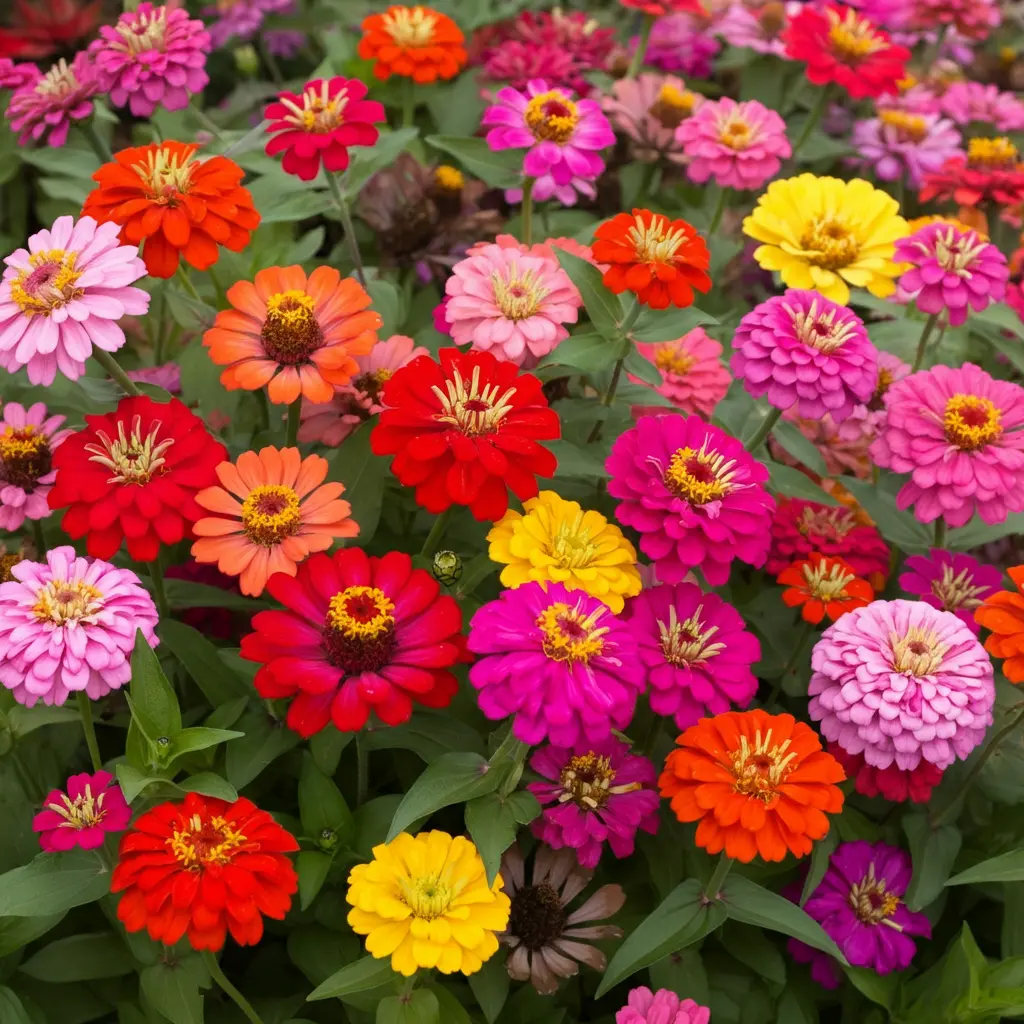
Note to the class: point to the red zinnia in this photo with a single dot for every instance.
(840, 45)
(204, 867)
(134, 473)
(463, 429)
(893, 783)
(991, 172)
(360, 634)
(822, 586)
(659, 8)
(321, 124)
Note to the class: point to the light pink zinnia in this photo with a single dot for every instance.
(693, 377)
(662, 1007)
(166, 376)
(45, 108)
(28, 438)
(647, 110)
(68, 625)
(504, 300)
(739, 145)
(758, 28)
(82, 814)
(152, 57)
(64, 294)
(965, 102)
(956, 431)
(898, 145)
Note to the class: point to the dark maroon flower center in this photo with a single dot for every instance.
(537, 917)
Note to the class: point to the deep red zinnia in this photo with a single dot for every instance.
(134, 473)
(204, 867)
(658, 8)
(895, 784)
(359, 634)
(464, 430)
(990, 172)
(840, 45)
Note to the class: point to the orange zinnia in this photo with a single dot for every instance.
(1003, 613)
(824, 586)
(759, 784)
(413, 42)
(173, 205)
(273, 511)
(294, 334)
(661, 260)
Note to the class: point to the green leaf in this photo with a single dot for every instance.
(451, 1010)
(493, 823)
(368, 160)
(321, 805)
(12, 1010)
(361, 976)
(978, 532)
(22, 720)
(172, 988)
(364, 475)
(186, 594)
(264, 741)
(190, 740)
(312, 867)
(428, 735)
(16, 932)
(900, 528)
(671, 324)
(326, 747)
(642, 368)
(52, 884)
(789, 437)
(209, 784)
(603, 306)
(490, 987)
(791, 483)
(202, 662)
(587, 352)
(933, 852)
(751, 947)
(451, 779)
(879, 988)
(1009, 867)
(133, 781)
(576, 462)
(820, 855)
(154, 703)
(418, 1007)
(387, 304)
(80, 958)
(503, 169)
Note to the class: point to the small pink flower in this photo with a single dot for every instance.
(974, 19)
(661, 1007)
(680, 42)
(757, 28)
(516, 63)
(82, 814)
(693, 377)
(647, 110)
(898, 145)
(167, 376)
(965, 102)
(45, 108)
(16, 76)
(28, 438)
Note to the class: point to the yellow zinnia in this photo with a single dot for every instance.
(424, 901)
(826, 234)
(557, 540)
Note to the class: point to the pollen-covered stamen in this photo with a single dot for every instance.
(166, 176)
(872, 902)
(587, 781)
(410, 26)
(823, 330)
(24, 456)
(954, 252)
(656, 242)
(320, 112)
(205, 842)
(910, 127)
(473, 408)
(686, 642)
(992, 154)
(570, 635)
(829, 243)
(673, 106)
(372, 383)
(271, 513)
(8, 560)
(833, 523)
(552, 116)
(519, 294)
(700, 476)
(359, 632)
(84, 811)
(449, 179)
(853, 37)
(67, 601)
(735, 132)
(59, 81)
(572, 543)
(957, 590)
(885, 381)
(429, 896)
(671, 358)
(131, 458)
(827, 579)
(291, 332)
(760, 769)
(50, 284)
(145, 31)
(971, 422)
(918, 653)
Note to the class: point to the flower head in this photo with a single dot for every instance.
(424, 901)
(413, 42)
(202, 868)
(28, 439)
(898, 145)
(955, 583)
(991, 172)
(693, 493)
(648, 109)
(63, 295)
(659, 8)
(44, 108)
(693, 377)
(826, 234)
(662, 1007)
(81, 814)
(967, 102)
(680, 41)
(68, 625)
(1003, 614)
(973, 19)
(758, 28)
(15, 76)
(134, 474)
(823, 585)
(895, 784)
(758, 784)
(240, 19)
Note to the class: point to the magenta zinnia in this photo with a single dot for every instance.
(693, 377)
(28, 438)
(955, 583)
(43, 110)
(82, 813)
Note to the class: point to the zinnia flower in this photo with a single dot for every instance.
(758, 784)
(202, 868)
(893, 783)
(956, 432)
(694, 494)
(424, 901)
(68, 625)
(1003, 613)
(739, 145)
(320, 125)
(272, 510)
(662, 1007)
(359, 634)
(637, 107)
(15, 76)
(464, 431)
(967, 102)
(556, 540)
(991, 172)
(823, 585)
(974, 19)
(81, 814)
(661, 261)
(696, 651)
(240, 19)
(900, 681)
(826, 234)
(680, 41)
(173, 205)
(134, 474)
(597, 793)
(898, 146)
(151, 57)
(955, 583)
(412, 42)
(659, 8)
(64, 294)
(45, 108)
(693, 378)
(558, 661)
(758, 28)
(28, 439)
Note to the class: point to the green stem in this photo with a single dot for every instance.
(640, 52)
(110, 364)
(291, 438)
(362, 770)
(762, 432)
(160, 302)
(653, 734)
(228, 989)
(36, 526)
(97, 143)
(433, 541)
(269, 59)
(159, 591)
(85, 711)
(929, 326)
(798, 651)
(716, 217)
(940, 533)
(812, 118)
(408, 103)
(516, 772)
(722, 869)
(627, 324)
(204, 118)
(527, 211)
(347, 227)
(187, 283)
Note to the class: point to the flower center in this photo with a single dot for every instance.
(872, 902)
(919, 653)
(971, 422)
(991, 154)
(956, 253)
(372, 384)
(827, 580)
(673, 106)
(24, 456)
(59, 81)
(852, 36)
(587, 781)
(143, 31)
(291, 332)
(410, 26)
(271, 513)
(202, 843)
(473, 409)
(824, 331)
(552, 116)
(656, 242)
(673, 359)
(772, 19)
(50, 283)
(910, 127)
(536, 917)
(7, 563)
(760, 769)
(572, 545)
(320, 113)
(885, 381)
(520, 294)
(84, 811)
(686, 643)
(735, 133)
(830, 523)
(359, 634)
(131, 458)
(700, 476)
(450, 179)
(957, 590)
(829, 243)
(571, 636)
(62, 601)
(427, 897)
(165, 176)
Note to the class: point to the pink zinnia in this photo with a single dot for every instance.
(45, 108)
(16, 76)
(758, 29)
(956, 583)
(82, 814)
(28, 438)
(597, 793)
(647, 110)
(738, 145)
(694, 494)
(974, 19)
(956, 431)
(693, 377)
(64, 294)
(562, 664)
(503, 300)
(805, 351)
(562, 136)
(68, 625)
(516, 63)
(902, 682)
(662, 1007)
(166, 376)
(241, 19)
(898, 145)
(152, 57)
(965, 102)
(680, 42)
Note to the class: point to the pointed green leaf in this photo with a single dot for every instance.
(312, 867)
(670, 324)
(933, 852)
(188, 741)
(202, 662)
(80, 958)
(154, 703)
(490, 987)
(502, 169)
(361, 976)
(588, 351)
(321, 805)
(209, 784)
(1009, 867)
(789, 437)
(603, 306)
(493, 823)
(173, 989)
(52, 884)
(418, 1007)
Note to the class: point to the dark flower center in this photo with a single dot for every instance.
(291, 333)
(359, 633)
(537, 917)
(24, 457)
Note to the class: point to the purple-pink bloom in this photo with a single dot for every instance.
(648, 109)
(152, 57)
(45, 108)
(965, 102)
(680, 42)
(956, 583)
(516, 63)
(166, 376)
(596, 793)
(694, 494)
(758, 28)
(82, 814)
(898, 145)
(16, 76)
(562, 664)
(693, 377)
(805, 351)
(662, 1007)
(28, 439)
(241, 19)
(901, 681)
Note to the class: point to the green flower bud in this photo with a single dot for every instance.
(447, 568)
(247, 60)
(327, 839)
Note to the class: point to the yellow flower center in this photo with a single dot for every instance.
(131, 458)
(852, 36)
(142, 31)
(673, 106)
(587, 781)
(686, 643)
(827, 580)
(518, 293)
(473, 408)
(410, 26)
(84, 811)
(956, 252)
(572, 544)
(760, 769)
(428, 897)
(735, 133)
(673, 358)
(291, 332)
(320, 113)
(552, 115)
(571, 636)
(833, 523)
(165, 175)
(957, 590)
(919, 653)
(361, 611)
(910, 126)
(7, 563)
(271, 513)
(991, 153)
(872, 902)
(24, 456)
(656, 242)
(971, 422)
(58, 81)
(372, 384)
(450, 179)
(823, 330)
(828, 242)
(202, 843)
(699, 476)
(63, 601)
(50, 283)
